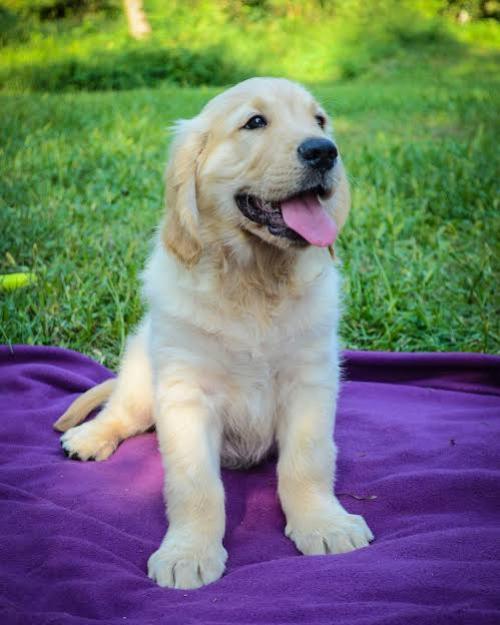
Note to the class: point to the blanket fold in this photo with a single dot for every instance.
(418, 438)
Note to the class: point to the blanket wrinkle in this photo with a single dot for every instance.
(75, 537)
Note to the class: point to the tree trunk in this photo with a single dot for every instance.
(138, 25)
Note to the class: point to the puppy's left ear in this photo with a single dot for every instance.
(341, 198)
(181, 228)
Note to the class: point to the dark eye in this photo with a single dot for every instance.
(321, 120)
(257, 121)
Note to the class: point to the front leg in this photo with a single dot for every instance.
(316, 521)
(191, 553)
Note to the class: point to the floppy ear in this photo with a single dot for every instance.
(341, 202)
(342, 198)
(180, 232)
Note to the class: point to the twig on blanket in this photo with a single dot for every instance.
(359, 497)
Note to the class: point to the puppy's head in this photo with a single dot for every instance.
(258, 161)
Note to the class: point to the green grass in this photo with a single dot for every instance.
(218, 42)
(81, 190)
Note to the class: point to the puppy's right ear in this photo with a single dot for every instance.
(181, 228)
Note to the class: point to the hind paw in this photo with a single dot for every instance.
(89, 441)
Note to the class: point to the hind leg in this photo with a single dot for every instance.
(127, 412)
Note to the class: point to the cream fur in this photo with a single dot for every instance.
(239, 347)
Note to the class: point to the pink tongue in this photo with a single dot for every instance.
(305, 215)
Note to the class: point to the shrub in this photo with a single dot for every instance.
(59, 9)
(131, 68)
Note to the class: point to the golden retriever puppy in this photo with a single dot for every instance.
(239, 348)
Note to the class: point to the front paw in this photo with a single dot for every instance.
(338, 532)
(184, 563)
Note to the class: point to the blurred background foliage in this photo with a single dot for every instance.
(53, 45)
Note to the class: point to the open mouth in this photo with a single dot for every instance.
(300, 218)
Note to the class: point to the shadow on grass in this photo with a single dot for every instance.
(129, 69)
(408, 43)
(11, 27)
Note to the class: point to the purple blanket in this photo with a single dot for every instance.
(419, 457)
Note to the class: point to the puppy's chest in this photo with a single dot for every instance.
(259, 354)
(252, 394)
(250, 408)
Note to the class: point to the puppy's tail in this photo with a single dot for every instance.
(84, 404)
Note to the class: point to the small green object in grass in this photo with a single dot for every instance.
(13, 281)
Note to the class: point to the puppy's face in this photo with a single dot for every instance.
(265, 165)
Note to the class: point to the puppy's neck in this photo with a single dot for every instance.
(265, 272)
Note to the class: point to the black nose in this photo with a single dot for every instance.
(318, 153)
